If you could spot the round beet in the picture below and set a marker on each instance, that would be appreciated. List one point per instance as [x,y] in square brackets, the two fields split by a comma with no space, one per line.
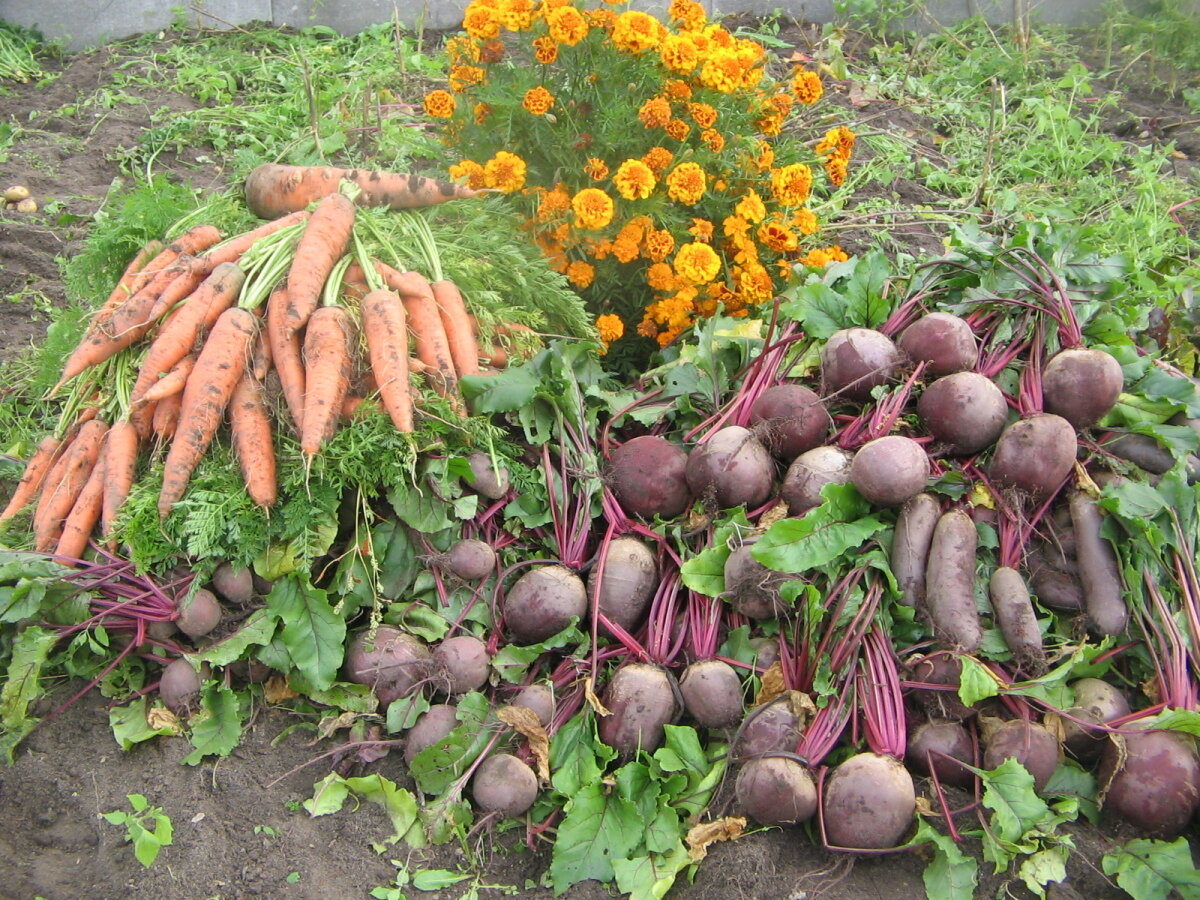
[889,470]
[945,671]
[629,578]
[1151,779]
[940,747]
[233,584]
[486,479]
[712,693]
[393,663]
[1030,743]
[776,791]
[433,725]
[647,474]
[1081,385]
[470,559]
[542,602]
[750,587]
[504,785]
[770,728]
[943,341]
[460,664]
[732,468]
[179,686]
[539,698]
[1034,455]
[965,412]
[199,613]
[1096,702]
[642,701]
[869,803]
[789,419]
[811,471]
[854,361]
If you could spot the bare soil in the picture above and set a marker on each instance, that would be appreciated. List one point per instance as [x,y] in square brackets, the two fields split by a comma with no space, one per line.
[238,830]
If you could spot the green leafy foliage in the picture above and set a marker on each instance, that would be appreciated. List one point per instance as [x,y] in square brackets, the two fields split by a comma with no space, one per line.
[1154,870]
[148,828]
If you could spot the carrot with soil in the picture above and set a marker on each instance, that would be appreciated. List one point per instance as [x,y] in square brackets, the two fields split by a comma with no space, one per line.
[40,461]
[171,383]
[132,280]
[386,330]
[425,324]
[252,440]
[85,513]
[328,363]
[286,356]
[233,249]
[64,486]
[324,241]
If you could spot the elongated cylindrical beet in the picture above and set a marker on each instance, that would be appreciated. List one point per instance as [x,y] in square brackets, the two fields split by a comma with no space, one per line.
[1013,609]
[1082,385]
[712,693]
[1034,455]
[647,474]
[889,470]
[910,546]
[1054,587]
[1142,450]
[943,341]
[625,587]
[869,803]
[965,412]
[789,419]
[1099,572]
[776,791]
[643,702]
[731,468]
[950,582]
[542,602]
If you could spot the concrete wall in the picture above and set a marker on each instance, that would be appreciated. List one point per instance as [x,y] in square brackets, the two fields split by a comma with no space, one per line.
[87,23]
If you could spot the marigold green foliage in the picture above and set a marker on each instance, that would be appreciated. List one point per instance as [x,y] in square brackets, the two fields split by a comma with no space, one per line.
[657,164]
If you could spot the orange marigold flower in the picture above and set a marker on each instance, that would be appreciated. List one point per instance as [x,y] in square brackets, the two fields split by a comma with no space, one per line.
[838,141]
[647,328]
[807,86]
[658,244]
[481,20]
[505,171]
[735,228]
[625,250]
[469,172]
[687,14]
[657,159]
[686,183]
[678,129]
[770,123]
[778,237]
[837,169]
[566,25]
[655,112]
[679,54]
[713,139]
[604,19]
[722,71]
[517,15]
[751,207]
[703,114]
[701,230]
[634,180]
[440,104]
[593,208]
[461,49]
[755,284]
[552,203]
[696,263]
[581,273]
[660,277]
[610,328]
[596,168]
[679,91]
[765,158]
[805,221]
[492,51]
[719,36]
[538,100]
[782,102]
[463,77]
[791,184]
[637,32]
[820,257]
[545,50]
[480,112]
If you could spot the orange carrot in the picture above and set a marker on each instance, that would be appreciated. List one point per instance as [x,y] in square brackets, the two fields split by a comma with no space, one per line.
[429,335]
[81,521]
[324,241]
[273,190]
[260,357]
[383,322]
[171,383]
[286,357]
[191,275]
[36,469]
[120,466]
[132,280]
[253,445]
[165,417]
[77,463]
[216,374]
[327,366]
[232,249]
[464,348]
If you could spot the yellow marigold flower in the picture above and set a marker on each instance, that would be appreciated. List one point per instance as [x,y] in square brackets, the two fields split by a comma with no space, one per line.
[634,229]
[440,104]
[807,86]
[713,139]
[657,159]
[722,71]
[765,158]
[593,208]
[469,172]
[505,171]
[686,183]
[655,112]
[538,101]
[516,15]
[553,203]
[545,50]
[735,228]
[581,273]
[481,20]
[567,25]
[598,249]
[782,102]
[696,263]
[687,14]
[719,36]
[658,244]
[678,129]
[679,91]
[660,277]
[634,180]
[637,32]
[751,207]
[791,184]
[480,112]
[463,77]
[610,327]
[596,168]
[770,122]
[755,284]
[604,19]
[836,169]
[679,54]
[838,141]
[625,250]
[778,237]
[701,230]
[822,256]
[703,114]
[461,49]
[805,221]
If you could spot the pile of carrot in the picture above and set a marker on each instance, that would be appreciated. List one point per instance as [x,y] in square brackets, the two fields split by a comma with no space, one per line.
[206,320]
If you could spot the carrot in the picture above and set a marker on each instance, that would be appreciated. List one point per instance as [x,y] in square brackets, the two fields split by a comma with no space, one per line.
[36,468]
[325,240]
[77,527]
[327,365]
[260,357]
[286,357]
[383,322]
[171,383]
[464,348]
[120,466]
[165,417]
[132,280]
[76,465]
[216,374]
[253,445]
[429,335]
[232,249]
[273,190]
[354,408]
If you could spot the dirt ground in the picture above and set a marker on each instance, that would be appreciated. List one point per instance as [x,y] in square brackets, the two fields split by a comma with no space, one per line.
[238,832]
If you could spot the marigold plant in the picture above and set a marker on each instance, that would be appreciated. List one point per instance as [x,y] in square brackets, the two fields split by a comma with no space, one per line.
[658,164]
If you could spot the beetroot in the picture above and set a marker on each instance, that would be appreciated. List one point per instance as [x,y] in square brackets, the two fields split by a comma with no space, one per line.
[179,686]
[965,412]
[1096,701]
[460,663]
[712,693]
[943,341]
[1151,780]
[1034,455]
[485,479]
[939,747]
[233,584]
[869,803]
[854,361]
[542,602]
[199,613]
[504,785]
[630,577]
[750,587]
[731,468]
[943,669]
[1081,385]
[776,791]
[470,559]
[540,699]
[1030,743]
[911,540]
[393,663]
[642,700]
[433,725]
[770,728]
[811,471]
[889,470]
[647,474]
[789,419]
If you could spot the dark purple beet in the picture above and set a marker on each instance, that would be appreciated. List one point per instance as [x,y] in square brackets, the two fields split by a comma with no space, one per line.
[731,468]
[179,686]
[869,803]
[1082,385]
[647,477]
[486,480]
[233,584]
[1096,701]
[433,725]
[945,342]
[460,663]
[770,728]
[542,602]
[889,470]
[965,412]
[789,419]
[391,662]
[939,669]
[199,613]
[811,471]
[712,693]
[1030,743]
[539,698]
[934,747]
[1151,780]
[854,361]
[642,701]
[1034,455]
[470,559]
[776,791]
[750,587]
[504,785]
[629,579]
